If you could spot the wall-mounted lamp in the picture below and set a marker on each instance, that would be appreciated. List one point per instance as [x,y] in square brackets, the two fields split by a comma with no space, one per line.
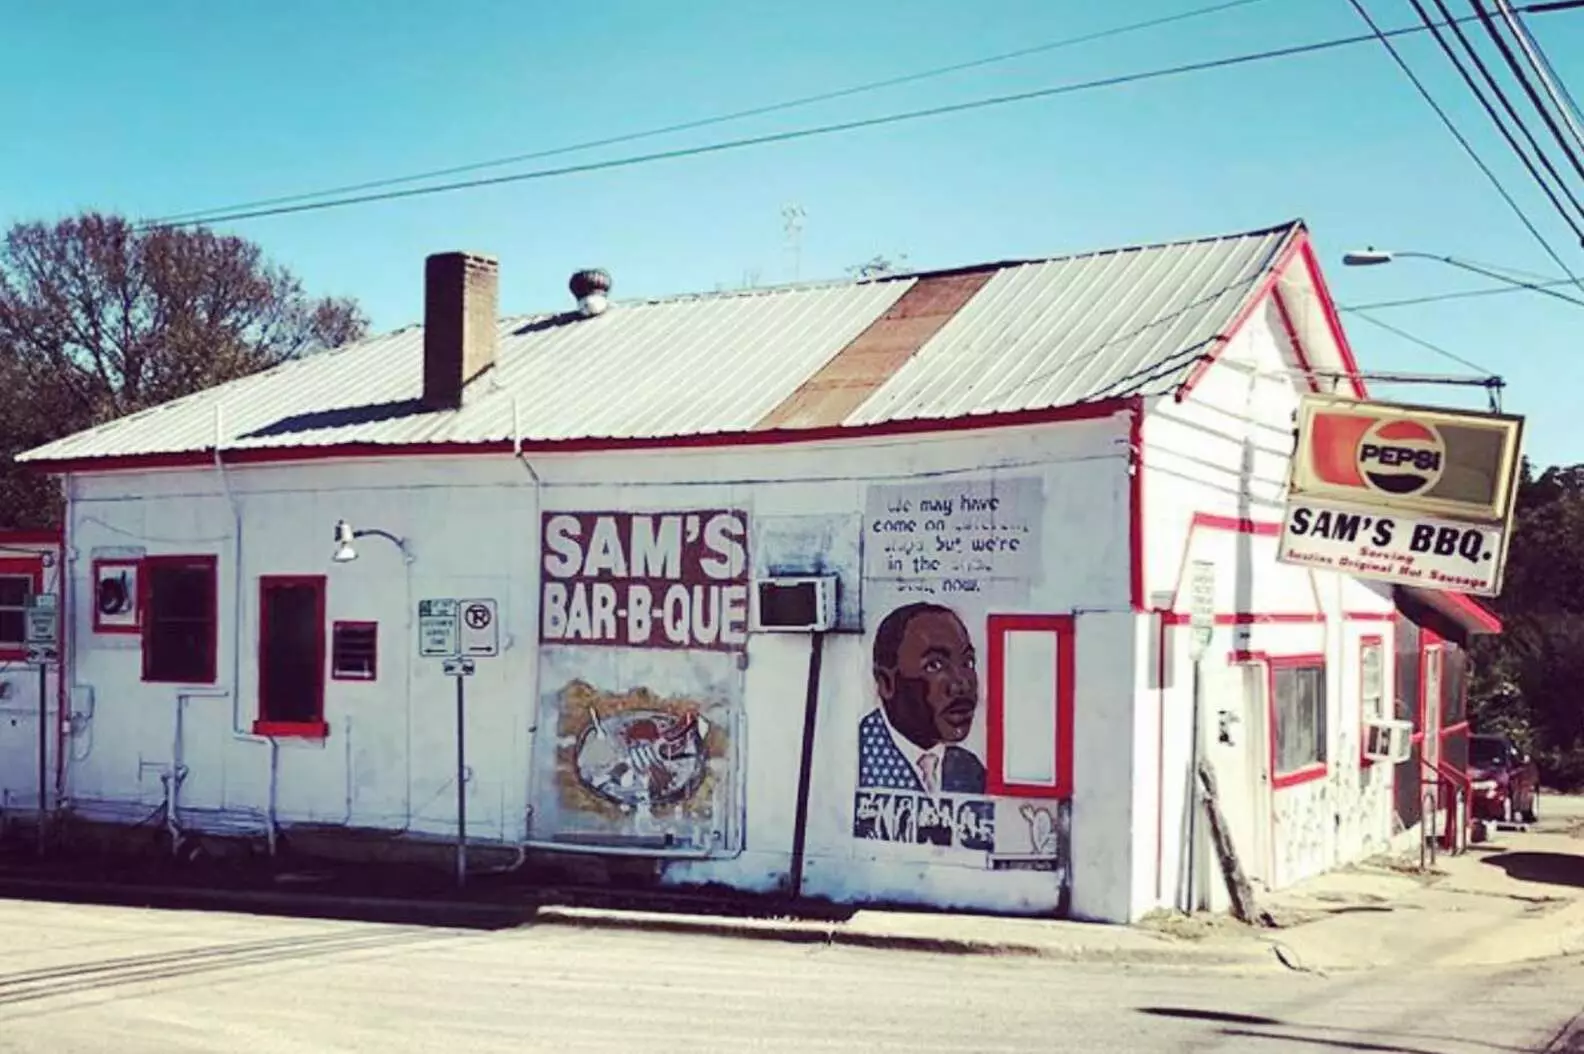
[345,536]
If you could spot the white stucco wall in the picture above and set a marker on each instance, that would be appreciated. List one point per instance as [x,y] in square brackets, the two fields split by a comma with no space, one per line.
[473,527]
[1223,453]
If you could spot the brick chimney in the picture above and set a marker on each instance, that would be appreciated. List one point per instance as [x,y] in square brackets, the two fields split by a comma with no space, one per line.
[460,294]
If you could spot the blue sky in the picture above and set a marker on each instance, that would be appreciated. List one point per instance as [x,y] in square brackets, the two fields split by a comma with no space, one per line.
[163,107]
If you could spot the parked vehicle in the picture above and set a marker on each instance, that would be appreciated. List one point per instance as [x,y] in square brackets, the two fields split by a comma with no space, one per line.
[1506,783]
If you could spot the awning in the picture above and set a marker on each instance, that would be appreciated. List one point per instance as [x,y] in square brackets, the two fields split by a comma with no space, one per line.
[1455,616]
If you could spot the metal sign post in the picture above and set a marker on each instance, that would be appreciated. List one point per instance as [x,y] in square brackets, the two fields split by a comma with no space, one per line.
[1201,624]
[43,643]
[453,631]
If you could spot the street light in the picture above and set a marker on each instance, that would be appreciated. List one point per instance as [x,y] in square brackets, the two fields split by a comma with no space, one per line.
[346,552]
[1373,257]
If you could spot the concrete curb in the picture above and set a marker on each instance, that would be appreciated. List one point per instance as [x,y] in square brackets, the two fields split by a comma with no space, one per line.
[495,915]
[390,910]
[794,931]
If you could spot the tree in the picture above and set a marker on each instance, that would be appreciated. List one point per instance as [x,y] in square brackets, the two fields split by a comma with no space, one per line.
[1529,681]
[99,319]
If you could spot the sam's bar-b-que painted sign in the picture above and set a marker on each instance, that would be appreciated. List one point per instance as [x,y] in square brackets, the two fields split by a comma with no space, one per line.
[645,580]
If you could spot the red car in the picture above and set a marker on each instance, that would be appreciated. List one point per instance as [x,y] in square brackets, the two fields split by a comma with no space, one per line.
[1506,781]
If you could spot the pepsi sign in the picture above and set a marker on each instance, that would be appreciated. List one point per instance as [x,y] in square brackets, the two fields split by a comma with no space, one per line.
[1415,459]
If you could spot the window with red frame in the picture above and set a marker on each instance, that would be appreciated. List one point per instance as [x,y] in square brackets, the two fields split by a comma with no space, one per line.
[15,590]
[291,655]
[1029,724]
[180,619]
[1299,703]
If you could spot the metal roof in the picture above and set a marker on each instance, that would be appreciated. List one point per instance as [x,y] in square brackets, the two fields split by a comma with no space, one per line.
[1038,334]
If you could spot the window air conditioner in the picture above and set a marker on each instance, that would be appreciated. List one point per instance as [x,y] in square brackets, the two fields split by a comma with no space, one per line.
[795,605]
[1387,740]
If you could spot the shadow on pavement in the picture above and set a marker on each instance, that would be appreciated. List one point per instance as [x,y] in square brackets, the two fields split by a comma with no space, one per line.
[1258,1027]
[1557,869]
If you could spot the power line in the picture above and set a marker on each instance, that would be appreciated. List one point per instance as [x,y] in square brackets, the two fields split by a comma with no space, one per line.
[1460,295]
[809,132]
[1384,37]
[1522,75]
[1512,112]
[737,115]
[1363,313]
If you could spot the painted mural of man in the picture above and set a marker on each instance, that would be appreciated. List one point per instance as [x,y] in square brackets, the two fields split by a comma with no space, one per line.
[928,687]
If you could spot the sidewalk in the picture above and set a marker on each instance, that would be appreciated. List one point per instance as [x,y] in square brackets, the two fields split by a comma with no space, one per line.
[1517,897]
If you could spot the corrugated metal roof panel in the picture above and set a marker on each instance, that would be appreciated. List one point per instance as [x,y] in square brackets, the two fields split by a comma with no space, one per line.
[1053,333]
[673,367]
[1036,335]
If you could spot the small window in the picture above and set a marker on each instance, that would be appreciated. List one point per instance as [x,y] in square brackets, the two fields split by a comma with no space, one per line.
[1300,710]
[14,593]
[354,651]
[1029,726]
[180,620]
[291,656]
[1372,681]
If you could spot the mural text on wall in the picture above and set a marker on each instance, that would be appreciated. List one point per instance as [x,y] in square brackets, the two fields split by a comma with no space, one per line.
[939,558]
[632,767]
[659,580]
[946,539]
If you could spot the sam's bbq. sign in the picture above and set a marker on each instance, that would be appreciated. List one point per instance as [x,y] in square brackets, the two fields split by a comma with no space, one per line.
[637,580]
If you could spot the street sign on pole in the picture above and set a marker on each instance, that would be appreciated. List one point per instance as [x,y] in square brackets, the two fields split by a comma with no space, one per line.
[459,668]
[1201,611]
[439,629]
[480,624]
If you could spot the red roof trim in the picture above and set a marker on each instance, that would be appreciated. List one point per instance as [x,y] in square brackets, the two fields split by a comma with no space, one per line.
[30,538]
[771,437]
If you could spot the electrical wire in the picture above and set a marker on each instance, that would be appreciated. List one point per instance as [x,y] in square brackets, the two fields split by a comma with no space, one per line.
[736,115]
[1385,38]
[1512,113]
[1522,75]
[1361,312]
[1459,295]
[1247,58]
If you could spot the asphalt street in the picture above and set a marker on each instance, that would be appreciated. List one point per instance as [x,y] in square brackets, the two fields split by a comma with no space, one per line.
[92,979]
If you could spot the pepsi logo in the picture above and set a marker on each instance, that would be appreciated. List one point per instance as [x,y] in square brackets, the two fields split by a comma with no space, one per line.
[1401,457]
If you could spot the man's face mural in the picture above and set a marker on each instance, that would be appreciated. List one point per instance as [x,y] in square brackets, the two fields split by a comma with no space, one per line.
[931,691]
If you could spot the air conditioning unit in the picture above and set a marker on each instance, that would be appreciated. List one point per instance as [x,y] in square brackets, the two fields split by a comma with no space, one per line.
[1387,740]
[795,604]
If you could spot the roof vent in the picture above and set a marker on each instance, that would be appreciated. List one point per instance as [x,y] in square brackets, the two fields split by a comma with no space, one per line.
[591,289]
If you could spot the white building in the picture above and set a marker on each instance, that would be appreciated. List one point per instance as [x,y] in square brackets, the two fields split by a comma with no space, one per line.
[1034,451]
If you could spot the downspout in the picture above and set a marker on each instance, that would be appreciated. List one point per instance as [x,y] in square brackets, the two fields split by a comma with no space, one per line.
[806,764]
[271,833]
[65,669]
[538,485]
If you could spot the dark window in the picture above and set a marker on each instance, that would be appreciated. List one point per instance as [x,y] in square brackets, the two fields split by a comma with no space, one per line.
[1300,717]
[291,655]
[1454,686]
[14,593]
[179,626]
[354,651]
[1408,674]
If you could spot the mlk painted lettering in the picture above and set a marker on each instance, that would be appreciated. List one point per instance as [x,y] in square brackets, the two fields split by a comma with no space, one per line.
[663,580]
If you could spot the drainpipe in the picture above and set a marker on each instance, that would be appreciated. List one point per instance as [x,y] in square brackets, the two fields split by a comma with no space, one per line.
[271,833]
[538,486]
[806,762]
[64,668]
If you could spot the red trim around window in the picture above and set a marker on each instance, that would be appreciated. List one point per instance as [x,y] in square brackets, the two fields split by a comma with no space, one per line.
[335,630]
[1272,663]
[317,728]
[1364,643]
[134,628]
[31,567]
[1062,627]
[146,585]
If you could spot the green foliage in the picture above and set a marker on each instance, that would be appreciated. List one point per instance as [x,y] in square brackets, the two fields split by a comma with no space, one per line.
[99,320]
[1529,681]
